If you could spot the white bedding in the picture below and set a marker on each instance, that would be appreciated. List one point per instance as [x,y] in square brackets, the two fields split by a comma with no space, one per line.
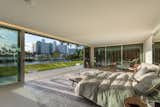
[110,89]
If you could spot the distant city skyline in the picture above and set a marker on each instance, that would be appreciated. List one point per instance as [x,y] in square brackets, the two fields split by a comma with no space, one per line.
[31,39]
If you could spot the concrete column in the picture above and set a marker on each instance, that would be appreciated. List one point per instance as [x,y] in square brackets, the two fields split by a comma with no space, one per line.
[22,57]
[92,56]
[147,49]
[121,54]
[84,57]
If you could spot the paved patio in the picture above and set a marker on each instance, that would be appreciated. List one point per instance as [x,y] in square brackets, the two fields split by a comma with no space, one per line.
[45,89]
[51,73]
[53,88]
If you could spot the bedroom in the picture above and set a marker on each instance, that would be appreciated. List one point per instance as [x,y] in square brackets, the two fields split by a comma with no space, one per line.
[121,40]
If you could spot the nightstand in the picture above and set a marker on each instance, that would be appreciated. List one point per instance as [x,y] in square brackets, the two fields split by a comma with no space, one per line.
[157,104]
[134,102]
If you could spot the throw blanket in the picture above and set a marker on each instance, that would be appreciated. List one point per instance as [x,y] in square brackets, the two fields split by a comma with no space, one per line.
[110,89]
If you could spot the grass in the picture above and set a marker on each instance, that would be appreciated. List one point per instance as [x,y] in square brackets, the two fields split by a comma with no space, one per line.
[43,67]
[9,71]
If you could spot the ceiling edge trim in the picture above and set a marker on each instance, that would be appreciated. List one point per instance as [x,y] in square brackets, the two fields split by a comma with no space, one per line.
[28,30]
[129,43]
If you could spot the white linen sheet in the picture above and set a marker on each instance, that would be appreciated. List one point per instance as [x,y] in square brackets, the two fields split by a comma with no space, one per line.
[110,89]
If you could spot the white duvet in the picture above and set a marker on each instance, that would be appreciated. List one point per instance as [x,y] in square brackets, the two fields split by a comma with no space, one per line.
[110,89]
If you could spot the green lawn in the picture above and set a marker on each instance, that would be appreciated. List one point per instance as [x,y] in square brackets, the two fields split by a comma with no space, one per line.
[43,67]
[9,71]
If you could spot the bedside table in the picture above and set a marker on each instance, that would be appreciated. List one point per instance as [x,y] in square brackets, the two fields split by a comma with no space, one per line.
[134,102]
[157,104]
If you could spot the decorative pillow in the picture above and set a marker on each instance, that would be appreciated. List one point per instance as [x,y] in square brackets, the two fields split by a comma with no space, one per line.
[148,78]
[145,68]
[145,82]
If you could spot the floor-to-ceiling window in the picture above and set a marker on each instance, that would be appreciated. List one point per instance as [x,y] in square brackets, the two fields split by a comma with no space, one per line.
[42,53]
[133,53]
[99,56]
[87,57]
[156,53]
[113,55]
[9,56]
[119,55]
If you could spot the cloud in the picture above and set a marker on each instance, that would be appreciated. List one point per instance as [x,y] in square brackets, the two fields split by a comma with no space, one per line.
[28,46]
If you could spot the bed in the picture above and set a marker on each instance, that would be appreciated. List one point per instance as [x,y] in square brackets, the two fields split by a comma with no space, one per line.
[110,89]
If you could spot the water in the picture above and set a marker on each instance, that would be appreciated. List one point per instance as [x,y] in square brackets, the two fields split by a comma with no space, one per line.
[32,63]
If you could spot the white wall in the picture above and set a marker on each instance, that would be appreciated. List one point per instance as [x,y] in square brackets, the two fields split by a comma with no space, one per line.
[147,49]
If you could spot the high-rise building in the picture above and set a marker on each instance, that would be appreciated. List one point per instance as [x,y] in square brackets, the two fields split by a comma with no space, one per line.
[38,47]
[50,45]
[72,51]
[62,48]
[54,46]
[44,48]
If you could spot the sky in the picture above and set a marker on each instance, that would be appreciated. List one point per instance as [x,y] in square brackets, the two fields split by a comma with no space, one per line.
[9,37]
[31,39]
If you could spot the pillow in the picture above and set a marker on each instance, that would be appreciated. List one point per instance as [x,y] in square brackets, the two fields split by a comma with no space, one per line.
[145,68]
[146,77]
[147,82]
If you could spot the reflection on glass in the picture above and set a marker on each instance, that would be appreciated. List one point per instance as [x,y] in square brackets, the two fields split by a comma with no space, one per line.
[87,57]
[118,55]
[99,56]
[156,53]
[132,53]
[8,56]
[113,55]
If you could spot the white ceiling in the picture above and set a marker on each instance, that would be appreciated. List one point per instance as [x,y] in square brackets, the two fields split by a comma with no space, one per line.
[92,22]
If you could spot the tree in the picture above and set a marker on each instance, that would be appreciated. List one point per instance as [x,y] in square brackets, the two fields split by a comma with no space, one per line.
[56,54]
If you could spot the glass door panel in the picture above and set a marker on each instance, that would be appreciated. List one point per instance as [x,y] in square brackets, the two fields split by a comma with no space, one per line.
[87,57]
[132,54]
[113,55]
[99,56]
[156,53]
[9,56]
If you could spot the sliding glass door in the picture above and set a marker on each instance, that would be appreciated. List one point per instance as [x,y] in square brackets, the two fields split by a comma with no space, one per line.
[9,56]
[119,55]
[133,54]
[99,56]
[156,53]
[113,55]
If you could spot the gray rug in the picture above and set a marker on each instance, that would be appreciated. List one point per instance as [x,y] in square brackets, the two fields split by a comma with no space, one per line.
[57,93]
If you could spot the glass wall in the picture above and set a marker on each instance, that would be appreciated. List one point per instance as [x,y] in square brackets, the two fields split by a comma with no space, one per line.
[133,53]
[156,53]
[99,56]
[9,56]
[45,53]
[113,55]
[87,57]
[119,55]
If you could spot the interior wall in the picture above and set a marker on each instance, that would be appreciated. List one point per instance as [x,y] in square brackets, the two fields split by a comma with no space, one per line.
[147,49]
